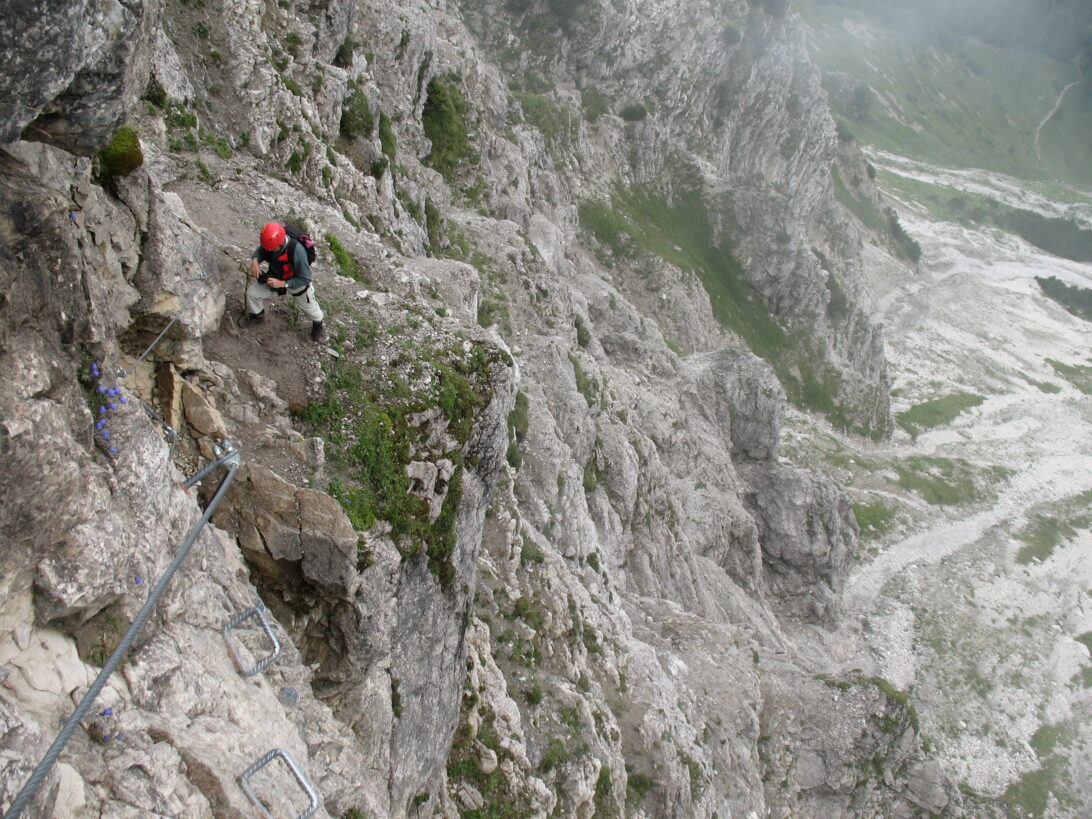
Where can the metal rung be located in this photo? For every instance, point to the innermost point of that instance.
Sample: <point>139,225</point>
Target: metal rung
<point>296,772</point>
<point>262,664</point>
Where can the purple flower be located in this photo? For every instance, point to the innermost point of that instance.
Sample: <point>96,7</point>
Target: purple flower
<point>138,579</point>
<point>124,400</point>
<point>105,435</point>
<point>100,423</point>
<point>114,405</point>
<point>108,712</point>
<point>114,391</point>
<point>102,410</point>
<point>113,450</point>
<point>102,390</point>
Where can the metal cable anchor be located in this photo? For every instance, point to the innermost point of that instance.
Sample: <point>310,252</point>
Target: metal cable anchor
<point>262,664</point>
<point>301,779</point>
<point>121,371</point>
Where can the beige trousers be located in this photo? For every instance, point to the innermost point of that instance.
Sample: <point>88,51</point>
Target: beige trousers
<point>257,293</point>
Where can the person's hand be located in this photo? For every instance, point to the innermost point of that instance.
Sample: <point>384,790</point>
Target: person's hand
<point>255,270</point>
<point>274,283</point>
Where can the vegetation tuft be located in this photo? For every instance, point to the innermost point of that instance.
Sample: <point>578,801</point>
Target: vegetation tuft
<point>640,221</point>
<point>1077,300</point>
<point>444,120</point>
<point>363,418</point>
<point>346,264</point>
<point>356,116</point>
<point>122,156</point>
<point>938,412</point>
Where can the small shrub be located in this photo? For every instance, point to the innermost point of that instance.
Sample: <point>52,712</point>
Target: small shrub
<point>179,117</point>
<point>591,480</point>
<point>444,121</point>
<point>293,87</point>
<point>154,93</point>
<point>346,264</point>
<point>386,137</point>
<point>292,43</point>
<point>637,786</point>
<point>356,116</point>
<point>634,112</point>
<point>594,103</point>
<point>344,56</point>
<point>555,755</point>
<point>583,337</point>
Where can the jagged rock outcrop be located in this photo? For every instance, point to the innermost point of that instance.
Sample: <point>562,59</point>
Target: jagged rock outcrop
<point>603,633</point>
<point>74,69</point>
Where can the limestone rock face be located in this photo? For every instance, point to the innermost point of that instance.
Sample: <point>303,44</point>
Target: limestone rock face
<point>808,535</point>
<point>73,68</point>
<point>805,756</point>
<point>581,608</point>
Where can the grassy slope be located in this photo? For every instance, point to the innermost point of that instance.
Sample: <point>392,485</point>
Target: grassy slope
<point>956,102</point>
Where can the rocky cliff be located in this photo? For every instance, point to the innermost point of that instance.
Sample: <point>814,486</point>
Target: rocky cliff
<point>522,526</point>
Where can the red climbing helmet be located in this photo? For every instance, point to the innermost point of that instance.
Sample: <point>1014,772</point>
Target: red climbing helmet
<point>273,236</point>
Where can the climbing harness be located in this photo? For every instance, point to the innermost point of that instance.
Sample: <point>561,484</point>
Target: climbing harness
<point>228,458</point>
<point>312,795</point>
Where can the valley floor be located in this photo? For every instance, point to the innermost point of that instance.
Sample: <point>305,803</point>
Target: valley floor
<point>973,588</point>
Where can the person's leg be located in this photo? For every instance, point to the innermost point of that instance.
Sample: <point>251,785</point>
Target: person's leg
<point>256,294</point>
<point>309,305</point>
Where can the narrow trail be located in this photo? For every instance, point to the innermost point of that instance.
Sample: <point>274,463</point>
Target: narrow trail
<point>1050,116</point>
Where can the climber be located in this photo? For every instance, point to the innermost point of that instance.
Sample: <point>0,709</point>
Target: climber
<point>289,272</point>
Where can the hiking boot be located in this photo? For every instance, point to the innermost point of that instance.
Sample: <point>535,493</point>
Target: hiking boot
<point>316,331</point>
<point>250,319</point>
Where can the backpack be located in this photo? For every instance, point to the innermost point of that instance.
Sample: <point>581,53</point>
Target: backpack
<point>304,239</point>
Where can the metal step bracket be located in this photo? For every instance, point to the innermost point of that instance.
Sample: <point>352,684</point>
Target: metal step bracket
<point>262,664</point>
<point>301,779</point>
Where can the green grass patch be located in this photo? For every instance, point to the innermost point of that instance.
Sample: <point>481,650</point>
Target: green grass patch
<point>873,519</point>
<point>585,384</point>
<point>363,419</point>
<point>938,412</point>
<point>1047,530</point>
<point>556,123</point>
<point>1060,237</point>
<point>639,221</point>
<point>346,264</point>
<point>867,212</point>
<point>1079,375</point>
<point>637,787</point>
<point>499,799</point>
<point>1031,793</point>
<point>948,481</point>
<point>593,103</point>
<point>1077,300</point>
